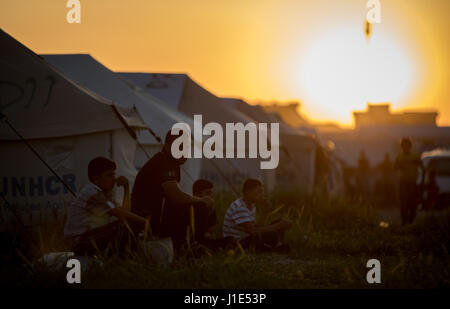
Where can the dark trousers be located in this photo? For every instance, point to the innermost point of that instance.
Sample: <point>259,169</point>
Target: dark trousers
<point>187,223</point>
<point>264,242</point>
<point>115,236</point>
<point>408,193</point>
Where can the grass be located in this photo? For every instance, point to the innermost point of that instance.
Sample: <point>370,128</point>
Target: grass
<point>331,241</point>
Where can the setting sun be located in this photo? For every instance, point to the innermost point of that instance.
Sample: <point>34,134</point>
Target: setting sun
<point>341,71</point>
<point>314,52</point>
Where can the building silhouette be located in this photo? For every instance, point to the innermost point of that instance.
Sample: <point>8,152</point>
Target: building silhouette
<point>380,115</point>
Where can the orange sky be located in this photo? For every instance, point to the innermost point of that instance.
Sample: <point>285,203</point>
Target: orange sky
<point>254,49</point>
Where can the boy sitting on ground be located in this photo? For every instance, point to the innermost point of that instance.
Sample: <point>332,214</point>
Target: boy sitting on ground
<point>94,220</point>
<point>240,221</point>
<point>205,218</point>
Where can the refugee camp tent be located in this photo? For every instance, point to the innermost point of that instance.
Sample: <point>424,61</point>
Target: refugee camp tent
<point>180,92</point>
<point>288,113</point>
<point>297,150</point>
<point>159,118</point>
<point>260,114</point>
<point>302,142</point>
<point>66,124</point>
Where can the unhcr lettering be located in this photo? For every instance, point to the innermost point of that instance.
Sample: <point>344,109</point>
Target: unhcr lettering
<point>213,146</point>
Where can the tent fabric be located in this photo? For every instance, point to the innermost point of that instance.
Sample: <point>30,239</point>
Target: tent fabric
<point>259,114</point>
<point>41,102</point>
<point>297,149</point>
<point>187,97</point>
<point>66,124</point>
<point>159,118</point>
<point>123,153</point>
<point>31,188</point>
<point>165,115</point>
<point>181,92</point>
<point>90,73</point>
<point>166,87</point>
<point>297,153</point>
<point>253,111</point>
<point>288,113</point>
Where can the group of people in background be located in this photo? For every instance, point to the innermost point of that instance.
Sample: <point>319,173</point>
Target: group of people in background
<point>396,182</point>
<point>158,208</point>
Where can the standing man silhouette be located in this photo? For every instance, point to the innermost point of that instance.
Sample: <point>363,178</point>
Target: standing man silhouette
<point>407,164</point>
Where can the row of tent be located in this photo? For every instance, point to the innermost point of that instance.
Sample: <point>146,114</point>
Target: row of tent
<point>71,108</point>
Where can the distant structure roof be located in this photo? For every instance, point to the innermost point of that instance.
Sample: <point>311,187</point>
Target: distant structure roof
<point>380,115</point>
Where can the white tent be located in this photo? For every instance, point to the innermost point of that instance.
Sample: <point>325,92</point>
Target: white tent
<point>297,151</point>
<point>159,118</point>
<point>179,91</point>
<point>65,123</point>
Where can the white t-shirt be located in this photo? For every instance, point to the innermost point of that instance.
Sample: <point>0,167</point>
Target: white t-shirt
<point>88,211</point>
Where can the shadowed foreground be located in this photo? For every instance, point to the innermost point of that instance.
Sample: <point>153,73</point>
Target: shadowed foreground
<point>331,243</point>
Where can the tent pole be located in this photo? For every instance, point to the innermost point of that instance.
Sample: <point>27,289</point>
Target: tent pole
<point>10,208</point>
<point>133,135</point>
<point>3,118</point>
<point>131,132</point>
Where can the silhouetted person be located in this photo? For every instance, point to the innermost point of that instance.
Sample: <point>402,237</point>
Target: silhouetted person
<point>205,219</point>
<point>156,195</point>
<point>201,188</point>
<point>407,164</point>
<point>387,171</point>
<point>432,190</point>
<point>362,174</point>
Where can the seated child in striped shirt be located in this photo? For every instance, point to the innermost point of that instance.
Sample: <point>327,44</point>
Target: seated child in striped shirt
<point>240,221</point>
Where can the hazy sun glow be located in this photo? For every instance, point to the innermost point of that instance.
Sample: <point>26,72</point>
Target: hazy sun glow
<point>312,51</point>
<point>341,71</point>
